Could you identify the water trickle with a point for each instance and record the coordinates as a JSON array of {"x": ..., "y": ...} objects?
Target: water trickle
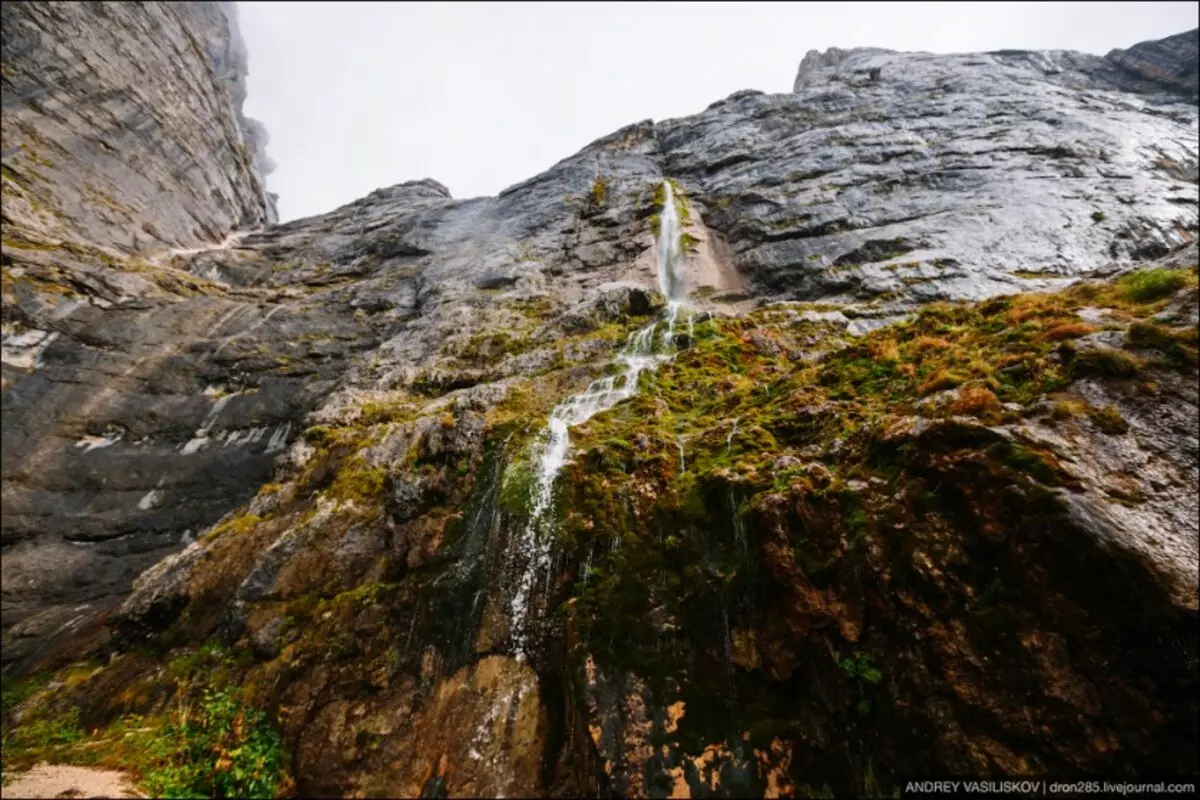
[
  {"x": 727, "y": 640},
  {"x": 739, "y": 524},
  {"x": 729, "y": 438},
  {"x": 642, "y": 352},
  {"x": 682, "y": 464}
]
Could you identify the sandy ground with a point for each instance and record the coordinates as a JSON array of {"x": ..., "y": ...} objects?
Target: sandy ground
[{"x": 53, "y": 780}]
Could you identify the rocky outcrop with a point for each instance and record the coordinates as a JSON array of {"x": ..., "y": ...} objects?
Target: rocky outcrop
[
  {"x": 1170, "y": 61},
  {"x": 123, "y": 125},
  {"x": 298, "y": 459}
]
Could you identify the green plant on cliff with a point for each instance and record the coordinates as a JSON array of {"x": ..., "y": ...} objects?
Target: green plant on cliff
[
  {"x": 218, "y": 749},
  {"x": 1152, "y": 284},
  {"x": 860, "y": 669},
  {"x": 207, "y": 744},
  {"x": 599, "y": 191}
]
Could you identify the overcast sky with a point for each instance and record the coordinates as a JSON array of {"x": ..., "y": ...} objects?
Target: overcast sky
[{"x": 480, "y": 96}]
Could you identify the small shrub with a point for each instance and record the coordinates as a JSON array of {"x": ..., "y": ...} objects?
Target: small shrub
[
  {"x": 940, "y": 381},
  {"x": 1069, "y": 330},
  {"x": 14, "y": 692},
  {"x": 223, "y": 750},
  {"x": 884, "y": 350},
  {"x": 1152, "y": 284},
  {"x": 1104, "y": 362},
  {"x": 599, "y": 191},
  {"x": 1179, "y": 344},
  {"x": 44, "y": 731},
  {"x": 1097, "y": 216},
  {"x": 861, "y": 669},
  {"x": 924, "y": 344},
  {"x": 975, "y": 401},
  {"x": 1108, "y": 420}
]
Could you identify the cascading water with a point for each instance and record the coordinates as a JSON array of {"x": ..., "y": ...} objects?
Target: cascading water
[{"x": 642, "y": 352}]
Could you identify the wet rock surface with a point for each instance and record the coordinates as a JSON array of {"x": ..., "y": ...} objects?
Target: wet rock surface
[{"x": 298, "y": 459}]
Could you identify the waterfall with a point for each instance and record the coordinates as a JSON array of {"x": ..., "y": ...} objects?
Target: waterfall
[{"x": 642, "y": 352}]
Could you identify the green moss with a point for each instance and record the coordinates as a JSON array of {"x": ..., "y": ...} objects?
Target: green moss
[
  {"x": 1153, "y": 284},
  {"x": 316, "y": 434},
  {"x": 490, "y": 346},
  {"x": 13, "y": 692},
  {"x": 1026, "y": 460},
  {"x": 46, "y": 732},
  {"x": 1109, "y": 420},
  {"x": 239, "y": 525},
  {"x": 358, "y": 482}
]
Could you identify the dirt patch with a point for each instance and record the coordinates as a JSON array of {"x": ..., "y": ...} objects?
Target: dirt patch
[{"x": 54, "y": 780}]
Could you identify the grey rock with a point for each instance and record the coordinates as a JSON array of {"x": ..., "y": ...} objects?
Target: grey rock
[
  {"x": 102, "y": 145},
  {"x": 159, "y": 594},
  {"x": 1171, "y": 61},
  {"x": 407, "y": 497},
  {"x": 610, "y": 302}
]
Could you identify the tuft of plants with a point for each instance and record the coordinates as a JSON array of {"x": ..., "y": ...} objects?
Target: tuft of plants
[
  {"x": 206, "y": 745},
  {"x": 220, "y": 749},
  {"x": 1152, "y": 284},
  {"x": 1177, "y": 343},
  {"x": 1105, "y": 362},
  {"x": 599, "y": 191}
]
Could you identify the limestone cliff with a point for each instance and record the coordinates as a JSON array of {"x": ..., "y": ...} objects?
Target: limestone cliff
[{"x": 891, "y": 490}]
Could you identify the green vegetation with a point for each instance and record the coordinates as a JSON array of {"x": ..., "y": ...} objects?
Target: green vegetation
[
  {"x": 13, "y": 692},
  {"x": 240, "y": 525},
  {"x": 221, "y": 749},
  {"x": 358, "y": 482},
  {"x": 860, "y": 669},
  {"x": 209, "y": 745},
  {"x": 1149, "y": 285},
  {"x": 316, "y": 434},
  {"x": 665, "y": 545},
  {"x": 1180, "y": 344},
  {"x": 489, "y": 347}
]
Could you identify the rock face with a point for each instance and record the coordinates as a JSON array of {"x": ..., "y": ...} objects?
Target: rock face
[
  {"x": 1170, "y": 61},
  {"x": 123, "y": 125},
  {"x": 301, "y": 459}
]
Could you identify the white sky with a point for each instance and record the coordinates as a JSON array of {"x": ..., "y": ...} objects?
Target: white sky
[{"x": 480, "y": 96}]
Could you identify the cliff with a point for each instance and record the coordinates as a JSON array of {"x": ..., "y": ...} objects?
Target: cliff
[{"x": 805, "y": 443}]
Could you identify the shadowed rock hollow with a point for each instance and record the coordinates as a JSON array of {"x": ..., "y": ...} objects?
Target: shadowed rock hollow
[{"x": 910, "y": 488}]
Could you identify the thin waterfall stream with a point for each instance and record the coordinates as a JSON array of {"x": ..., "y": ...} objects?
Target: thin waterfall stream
[{"x": 642, "y": 351}]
